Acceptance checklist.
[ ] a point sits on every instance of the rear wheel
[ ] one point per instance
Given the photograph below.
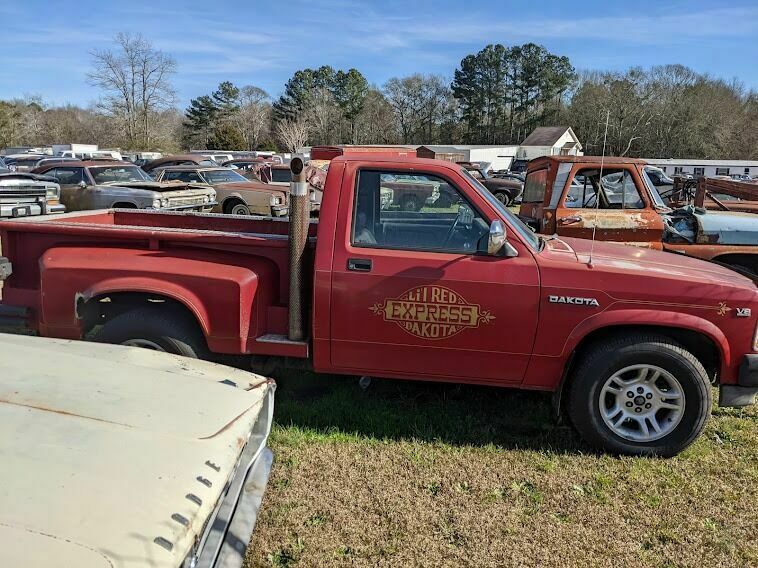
(640, 395)
(410, 203)
(159, 328)
(503, 198)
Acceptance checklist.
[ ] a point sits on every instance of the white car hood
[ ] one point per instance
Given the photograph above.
(102, 444)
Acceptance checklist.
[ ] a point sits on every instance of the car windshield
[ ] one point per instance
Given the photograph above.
(657, 199)
(526, 233)
(222, 176)
(118, 174)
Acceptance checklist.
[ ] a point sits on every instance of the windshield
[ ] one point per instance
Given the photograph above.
(222, 176)
(657, 199)
(118, 174)
(526, 233)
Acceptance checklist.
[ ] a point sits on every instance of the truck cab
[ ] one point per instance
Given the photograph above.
(585, 196)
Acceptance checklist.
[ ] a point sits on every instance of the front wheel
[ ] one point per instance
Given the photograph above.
(640, 395)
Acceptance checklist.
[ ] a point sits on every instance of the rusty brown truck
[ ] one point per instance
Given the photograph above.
(613, 199)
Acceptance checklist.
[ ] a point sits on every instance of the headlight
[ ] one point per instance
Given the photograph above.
(53, 192)
(156, 203)
(314, 198)
(276, 200)
(164, 202)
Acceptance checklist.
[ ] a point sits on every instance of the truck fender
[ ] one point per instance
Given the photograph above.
(622, 318)
(659, 318)
(224, 296)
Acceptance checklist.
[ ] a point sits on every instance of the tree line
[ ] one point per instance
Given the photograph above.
(496, 96)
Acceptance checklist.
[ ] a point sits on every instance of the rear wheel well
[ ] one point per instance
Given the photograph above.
(97, 310)
(700, 345)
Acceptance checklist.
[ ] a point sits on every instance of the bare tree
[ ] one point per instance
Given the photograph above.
(292, 133)
(136, 79)
(254, 115)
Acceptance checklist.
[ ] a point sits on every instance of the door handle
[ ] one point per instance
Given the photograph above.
(570, 220)
(359, 264)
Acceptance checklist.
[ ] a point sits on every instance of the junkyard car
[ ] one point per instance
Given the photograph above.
(154, 166)
(23, 194)
(506, 190)
(23, 162)
(120, 456)
(235, 194)
(99, 184)
(568, 196)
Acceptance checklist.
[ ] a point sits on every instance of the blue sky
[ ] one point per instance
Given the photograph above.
(45, 44)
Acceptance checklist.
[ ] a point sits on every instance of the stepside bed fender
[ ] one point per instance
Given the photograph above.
(220, 289)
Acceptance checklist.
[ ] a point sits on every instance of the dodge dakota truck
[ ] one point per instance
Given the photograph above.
(117, 456)
(628, 340)
(571, 197)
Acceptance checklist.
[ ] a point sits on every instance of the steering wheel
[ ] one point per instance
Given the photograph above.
(451, 231)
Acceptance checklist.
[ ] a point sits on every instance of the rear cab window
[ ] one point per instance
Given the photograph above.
(535, 186)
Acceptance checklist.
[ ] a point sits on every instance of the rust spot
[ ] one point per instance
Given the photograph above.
(61, 412)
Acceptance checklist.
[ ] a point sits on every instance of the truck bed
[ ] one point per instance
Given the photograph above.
(247, 241)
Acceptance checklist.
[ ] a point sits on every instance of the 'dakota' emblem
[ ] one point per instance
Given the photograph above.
(432, 312)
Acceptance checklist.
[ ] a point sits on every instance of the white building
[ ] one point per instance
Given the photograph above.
(550, 141)
(707, 168)
(499, 157)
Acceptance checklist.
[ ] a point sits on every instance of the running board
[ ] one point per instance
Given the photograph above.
(281, 345)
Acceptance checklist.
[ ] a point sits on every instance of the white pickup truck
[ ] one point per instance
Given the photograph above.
(121, 456)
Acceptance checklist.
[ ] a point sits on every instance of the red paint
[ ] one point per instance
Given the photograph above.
(445, 317)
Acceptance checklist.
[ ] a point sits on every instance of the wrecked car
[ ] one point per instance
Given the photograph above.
(105, 184)
(24, 194)
(614, 199)
(235, 194)
(121, 456)
(507, 190)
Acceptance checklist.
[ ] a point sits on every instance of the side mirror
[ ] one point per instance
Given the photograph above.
(82, 184)
(497, 241)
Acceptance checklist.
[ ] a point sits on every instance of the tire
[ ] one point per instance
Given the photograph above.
(236, 207)
(161, 328)
(410, 203)
(503, 198)
(610, 367)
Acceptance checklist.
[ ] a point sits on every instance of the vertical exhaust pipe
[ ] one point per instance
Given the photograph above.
(299, 211)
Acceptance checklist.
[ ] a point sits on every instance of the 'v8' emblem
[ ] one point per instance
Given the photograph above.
(743, 312)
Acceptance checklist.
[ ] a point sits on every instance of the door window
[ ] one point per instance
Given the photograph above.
(615, 189)
(397, 210)
(67, 176)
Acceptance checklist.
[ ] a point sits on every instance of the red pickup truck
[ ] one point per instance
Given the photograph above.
(629, 340)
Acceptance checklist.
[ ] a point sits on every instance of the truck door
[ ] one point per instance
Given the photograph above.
(613, 206)
(411, 295)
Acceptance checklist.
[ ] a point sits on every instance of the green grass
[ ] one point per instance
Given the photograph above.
(410, 473)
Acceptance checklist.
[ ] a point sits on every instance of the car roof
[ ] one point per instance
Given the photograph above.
(85, 163)
(586, 159)
(190, 168)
